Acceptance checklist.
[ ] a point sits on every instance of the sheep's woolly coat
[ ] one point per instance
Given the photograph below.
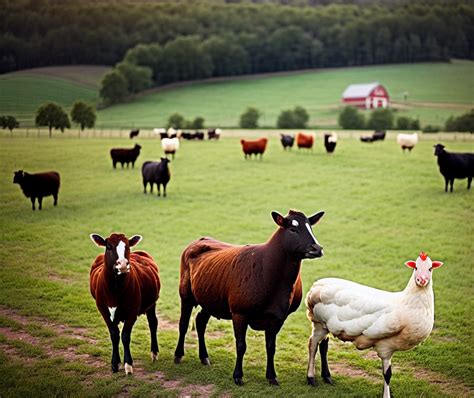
(387, 321)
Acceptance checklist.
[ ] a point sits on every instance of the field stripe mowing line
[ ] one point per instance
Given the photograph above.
(17, 332)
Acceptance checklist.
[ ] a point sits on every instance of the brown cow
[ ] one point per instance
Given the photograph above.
(38, 185)
(304, 140)
(254, 285)
(256, 147)
(124, 286)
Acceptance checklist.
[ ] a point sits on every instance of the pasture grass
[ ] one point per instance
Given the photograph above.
(382, 208)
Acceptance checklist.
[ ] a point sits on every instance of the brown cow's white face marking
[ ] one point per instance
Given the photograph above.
(308, 227)
(122, 265)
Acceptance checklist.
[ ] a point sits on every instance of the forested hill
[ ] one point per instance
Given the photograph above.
(245, 37)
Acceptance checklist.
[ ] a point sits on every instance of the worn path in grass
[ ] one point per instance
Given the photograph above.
(19, 330)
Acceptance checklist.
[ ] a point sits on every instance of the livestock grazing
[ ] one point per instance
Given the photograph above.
(376, 136)
(161, 132)
(170, 145)
(199, 135)
(156, 173)
(330, 142)
(287, 141)
(213, 134)
(454, 165)
(304, 140)
(125, 155)
(134, 133)
(256, 147)
(253, 285)
(124, 286)
(38, 185)
(368, 317)
(407, 141)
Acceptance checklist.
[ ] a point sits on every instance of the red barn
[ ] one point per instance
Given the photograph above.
(369, 95)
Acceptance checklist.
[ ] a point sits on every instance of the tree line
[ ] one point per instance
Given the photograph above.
(231, 38)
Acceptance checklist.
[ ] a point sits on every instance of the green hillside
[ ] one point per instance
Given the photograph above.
(435, 92)
(21, 93)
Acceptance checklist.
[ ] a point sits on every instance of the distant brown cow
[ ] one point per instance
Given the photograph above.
(254, 285)
(256, 147)
(304, 140)
(124, 286)
(125, 155)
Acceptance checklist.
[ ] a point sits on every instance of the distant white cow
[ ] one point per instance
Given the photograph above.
(170, 145)
(407, 141)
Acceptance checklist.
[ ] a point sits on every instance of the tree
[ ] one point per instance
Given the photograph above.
(138, 77)
(114, 87)
(286, 120)
(83, 114)
(52, 116)
(9, 122)
(350, 118)
(249, 119)
(380, 119)
(197, 123)
(228, 57)
(176, 121)
(296, 118)
(464, 122)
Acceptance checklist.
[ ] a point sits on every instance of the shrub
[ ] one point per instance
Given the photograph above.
(176, 121)
(286, 120)
(197, 123)
(406, 123)
(350, 118)
(296, 118)
(380, 119)
(430, 129)
(83, 114)
(9, 122)
(249, 119)
(114, 87)
(463, 123)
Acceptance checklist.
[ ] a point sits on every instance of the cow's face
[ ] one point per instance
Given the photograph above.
(298, 237)
(438, 149)
(423, 268)
(117, 251)
(18, 177)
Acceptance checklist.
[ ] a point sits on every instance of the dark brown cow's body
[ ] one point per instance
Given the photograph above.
(304, 140)
(254, 285)
(39, 185)
(123, 290)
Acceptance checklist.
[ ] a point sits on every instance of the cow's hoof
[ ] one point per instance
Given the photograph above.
(238, 381)
(178, 360)
(154, 356)
(128, 369)
(273, 382)
(328, 380)
(205, 361)
(312, 382)
(115, 367)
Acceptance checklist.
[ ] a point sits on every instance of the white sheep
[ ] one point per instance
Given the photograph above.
(170, 145)
(368, 317)
(407, 141)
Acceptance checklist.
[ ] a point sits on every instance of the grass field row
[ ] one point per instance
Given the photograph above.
(382, 208)
(435, 92)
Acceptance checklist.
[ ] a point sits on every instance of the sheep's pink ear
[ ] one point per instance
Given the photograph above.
(411, 264)
(436, 264)
(98, 240)
(134, 240)
(279, 219)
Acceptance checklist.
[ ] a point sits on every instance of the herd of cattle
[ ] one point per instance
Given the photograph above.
(255, 286)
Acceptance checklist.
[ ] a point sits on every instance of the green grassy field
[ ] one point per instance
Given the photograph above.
(435, 92)
(382, 208)
(21, 93)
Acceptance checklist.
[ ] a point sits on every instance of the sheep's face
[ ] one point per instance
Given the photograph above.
(298, 238)
(117, 251)
(423, 267)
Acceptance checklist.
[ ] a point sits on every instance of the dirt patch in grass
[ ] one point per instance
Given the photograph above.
(447, 386)
(72, 354)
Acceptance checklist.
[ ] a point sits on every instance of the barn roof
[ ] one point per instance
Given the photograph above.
(359, 90)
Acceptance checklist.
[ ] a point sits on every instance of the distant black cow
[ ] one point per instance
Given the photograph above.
(454, 165)
(213, 134)
(156, 173)
(125, 155)
(330, 142)
(134, 133)
(376, 136)
(287, 141)
(38, 185)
